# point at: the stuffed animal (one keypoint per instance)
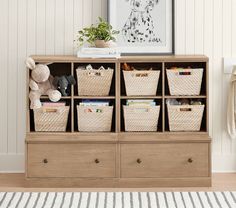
(63, 84)
(40, 83)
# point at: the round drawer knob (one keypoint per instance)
(190, 160)
(45, 161)
(139, 160)
(97, 161)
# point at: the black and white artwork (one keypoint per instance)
(146, 26)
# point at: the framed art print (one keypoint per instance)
(146, 26)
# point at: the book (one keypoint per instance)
(92, 52)
(51, 104)
(141, 103)
(94, 103)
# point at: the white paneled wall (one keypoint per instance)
(49, 27)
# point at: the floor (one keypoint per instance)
(220, 182)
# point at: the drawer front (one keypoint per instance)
(164, 160)
(71, 160)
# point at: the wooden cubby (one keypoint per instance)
(117, 143)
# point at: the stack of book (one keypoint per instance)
(92, 52)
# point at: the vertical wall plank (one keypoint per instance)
(199, 26)
(227, 22)
(12, 76)
(87, 14)
(233, 48)
(50, 27)
(104, 8)
(96, 10)
(69, 22)
(217, 75)
(59, 27)
(78, 21)
(21, 94)
(40, 27)
(208, 50)
(3, 78)
(180, 43)
(189, 30)
(31, 27)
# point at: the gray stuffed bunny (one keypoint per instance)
(63, 84)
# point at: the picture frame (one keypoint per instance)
(146, 26)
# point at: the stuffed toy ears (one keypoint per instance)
(30, 63)
(71, 79)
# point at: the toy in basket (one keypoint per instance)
(141, 115)
(140, 82)
(94, 116)
(185, 116)
(94, 82)
(51, 117)
(184, 81)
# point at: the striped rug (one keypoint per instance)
(118, 199)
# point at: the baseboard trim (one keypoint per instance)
(224, 163)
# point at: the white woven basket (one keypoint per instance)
(51, 118)
(94, 118)
(143, 82)
(141, 119)
(185, 82)
(96, 82)
(185, 117)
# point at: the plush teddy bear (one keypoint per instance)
(63, 84)
(40, 83)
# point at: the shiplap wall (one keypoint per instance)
(49, 26)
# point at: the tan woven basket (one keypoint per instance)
(185, 82)
(141, 119)
(51, 118)
(185, 117)
(141, 82)
(94, 82)
(99, 119)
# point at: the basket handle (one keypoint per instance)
(185, 109)
(185, 73)
(51, 110)
(141, 74)
(141, 110)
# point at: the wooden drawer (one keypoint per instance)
(71, 160)
(164, 160)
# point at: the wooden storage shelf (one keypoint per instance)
(118, 150)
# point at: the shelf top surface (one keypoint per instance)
(116, 137)
(157, 58)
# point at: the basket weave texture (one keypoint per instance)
(143, 82)
(96, 82)
(141, 119)
(185, 117)
(51, 118)
(94, 121)
(182, 83)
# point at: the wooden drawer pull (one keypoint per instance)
(190, 160)
(97, 161)
(139, 161)
(45, 161)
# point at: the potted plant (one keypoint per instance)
(101, 35)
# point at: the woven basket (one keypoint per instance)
(185, 117)
(185, 82)
(51, 118)
(141, 82)
(94, 82)
(94, 121)
(141, 119)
